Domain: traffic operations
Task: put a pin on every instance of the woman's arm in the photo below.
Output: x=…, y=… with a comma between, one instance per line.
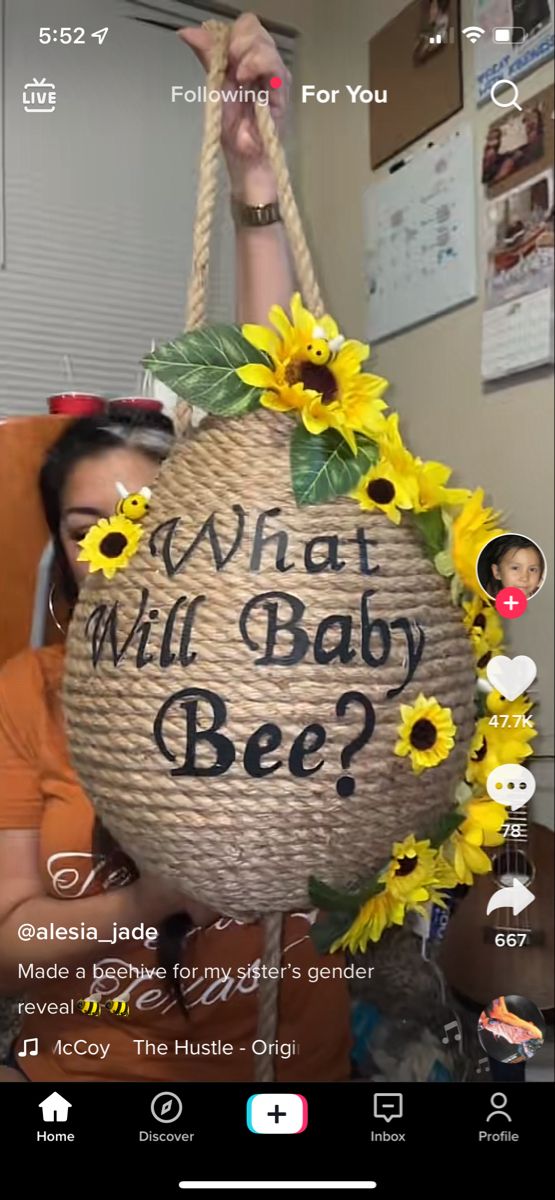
x=264, y=273
x=263, y=268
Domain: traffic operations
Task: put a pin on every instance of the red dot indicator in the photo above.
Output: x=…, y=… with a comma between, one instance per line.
x=275, y=81
x=511, y=602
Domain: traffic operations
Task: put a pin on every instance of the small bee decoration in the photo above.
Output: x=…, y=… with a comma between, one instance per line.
x=118, y=1008
x=133, y=505
x=89, y=1008
x=320, y=349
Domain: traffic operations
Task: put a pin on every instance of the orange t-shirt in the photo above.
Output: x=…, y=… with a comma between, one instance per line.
x=40, y=790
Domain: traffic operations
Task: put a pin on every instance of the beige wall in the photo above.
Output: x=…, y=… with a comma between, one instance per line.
x=502, y=439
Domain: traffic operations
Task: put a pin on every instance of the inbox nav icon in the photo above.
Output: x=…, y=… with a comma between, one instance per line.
x=39, y=96
x=388, y=1105
x=269, y=1112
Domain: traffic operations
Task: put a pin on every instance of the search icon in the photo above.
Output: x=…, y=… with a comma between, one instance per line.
x=513, y=102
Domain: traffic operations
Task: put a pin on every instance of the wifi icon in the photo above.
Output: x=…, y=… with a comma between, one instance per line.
x=473, y=33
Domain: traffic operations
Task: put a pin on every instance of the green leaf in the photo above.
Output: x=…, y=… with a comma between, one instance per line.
x=324, y=933
x=322, y=466
x=463, y=793
x=444, y=563
x=443, y=830
x=332, y=900
x=432, y=529
x=201, y=367
x=373, y=888
x=369, y=451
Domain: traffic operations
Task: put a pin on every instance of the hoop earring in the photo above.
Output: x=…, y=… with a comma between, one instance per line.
x=52, y=610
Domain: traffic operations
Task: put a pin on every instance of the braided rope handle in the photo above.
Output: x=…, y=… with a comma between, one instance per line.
x=268, y=996
x=208, y=187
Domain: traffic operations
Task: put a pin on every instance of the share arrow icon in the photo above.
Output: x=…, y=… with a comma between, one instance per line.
x=517, y=897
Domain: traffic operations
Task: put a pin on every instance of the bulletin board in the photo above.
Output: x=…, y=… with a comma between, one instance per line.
x=422, y=92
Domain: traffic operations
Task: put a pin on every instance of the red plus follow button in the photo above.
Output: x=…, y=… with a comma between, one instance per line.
x=511, y=602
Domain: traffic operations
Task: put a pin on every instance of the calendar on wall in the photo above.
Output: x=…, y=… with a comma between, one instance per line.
x=420, y=237
x=517, y=332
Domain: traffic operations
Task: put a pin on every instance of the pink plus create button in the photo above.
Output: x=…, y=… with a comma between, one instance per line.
x=511, y=602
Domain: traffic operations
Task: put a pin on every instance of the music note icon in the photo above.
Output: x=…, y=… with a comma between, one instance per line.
x=452, y=1025
x=33, y=1043
x=479, y=1069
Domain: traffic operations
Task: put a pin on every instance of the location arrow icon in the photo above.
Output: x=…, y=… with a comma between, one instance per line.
x=516, y=897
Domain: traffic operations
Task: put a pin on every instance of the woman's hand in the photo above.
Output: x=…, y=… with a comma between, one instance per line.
x=160, y=900
x=253, y=60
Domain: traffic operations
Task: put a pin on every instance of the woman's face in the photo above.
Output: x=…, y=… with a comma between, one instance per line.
x=521, y=569
x=91, y=492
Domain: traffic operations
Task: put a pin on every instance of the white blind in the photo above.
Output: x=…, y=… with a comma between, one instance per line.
x=99, y=199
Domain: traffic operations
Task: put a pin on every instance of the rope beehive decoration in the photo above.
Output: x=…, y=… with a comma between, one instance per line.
x=272, y=705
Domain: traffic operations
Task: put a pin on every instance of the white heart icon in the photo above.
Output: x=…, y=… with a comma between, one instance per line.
x=511, y=676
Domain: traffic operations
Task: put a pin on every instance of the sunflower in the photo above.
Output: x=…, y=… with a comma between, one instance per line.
x=481, y=827
x=377, y=914
x=110, y=544
x=428, y=478
x=315, y=372
x=467, y=859
x=483, y=821
x=469, y=532
x=390, y=440
x=497, y=704
x=386, y=489
x=493, y=746
x=432, y=492
x=485, y=629
x=415, y=873
x=427, y=733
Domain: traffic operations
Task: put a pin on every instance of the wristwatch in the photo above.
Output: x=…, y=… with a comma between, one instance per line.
x=254, y=216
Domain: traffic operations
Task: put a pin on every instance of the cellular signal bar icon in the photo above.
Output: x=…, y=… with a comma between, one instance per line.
x=473, y=33
x=441, y=39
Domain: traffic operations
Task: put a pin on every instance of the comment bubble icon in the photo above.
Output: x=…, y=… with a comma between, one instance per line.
x=511, y=785
x=388, y=1106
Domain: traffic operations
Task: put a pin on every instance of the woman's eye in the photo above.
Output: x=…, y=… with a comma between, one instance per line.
x=77, y=535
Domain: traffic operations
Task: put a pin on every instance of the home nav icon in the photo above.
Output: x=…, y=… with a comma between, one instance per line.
x=54, y=1108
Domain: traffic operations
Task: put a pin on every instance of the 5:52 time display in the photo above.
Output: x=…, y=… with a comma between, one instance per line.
x=67, y=36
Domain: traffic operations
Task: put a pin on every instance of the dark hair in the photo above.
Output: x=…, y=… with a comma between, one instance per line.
x=495, y=551
x=152, y=434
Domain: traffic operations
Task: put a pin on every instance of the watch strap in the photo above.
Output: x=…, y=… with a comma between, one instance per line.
x=254, y=216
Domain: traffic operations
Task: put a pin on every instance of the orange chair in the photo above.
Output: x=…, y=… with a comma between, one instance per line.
x=24, y=534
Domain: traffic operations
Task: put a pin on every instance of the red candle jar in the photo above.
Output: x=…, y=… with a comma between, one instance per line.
x=76, y=404
x=137, y=403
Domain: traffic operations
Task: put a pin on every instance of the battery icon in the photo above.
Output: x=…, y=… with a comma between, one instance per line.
x=509, y=35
